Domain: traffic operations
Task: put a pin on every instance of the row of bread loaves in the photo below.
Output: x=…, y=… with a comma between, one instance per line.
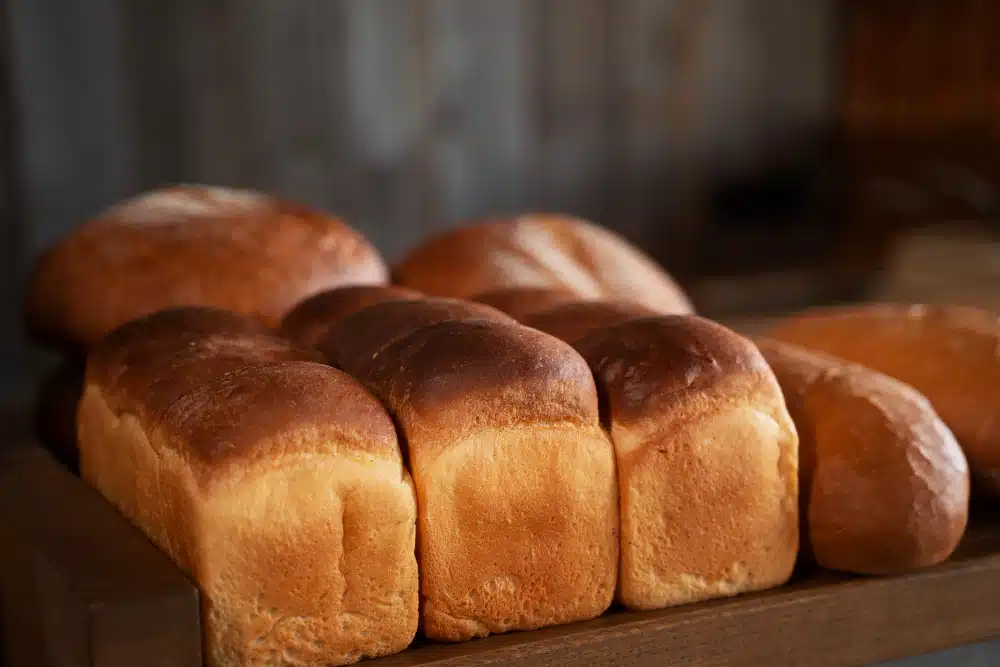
x=258, y=256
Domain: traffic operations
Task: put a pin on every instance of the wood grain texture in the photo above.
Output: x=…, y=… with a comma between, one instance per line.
x=83, y=587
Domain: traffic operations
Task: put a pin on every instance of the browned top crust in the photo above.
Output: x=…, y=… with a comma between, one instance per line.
x=191, y=245
x=520, y=301
x=536, y=250
x=311, y=319
x=251, y=416
x=448, y=379
x=648, y=365
x=148, y=363
x=571, y=321
x=360, y=336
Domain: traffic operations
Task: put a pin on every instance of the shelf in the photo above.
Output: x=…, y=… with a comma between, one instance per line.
x=81, y=586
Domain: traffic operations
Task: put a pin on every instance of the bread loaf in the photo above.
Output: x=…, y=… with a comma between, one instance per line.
x=707, y=460
x=520, y=301
x=278, y=486
x=191, y=246
x=571, y=321
x=549, y=251
x=515, y=479
x=884, y=486
x=358, y=338
x=947, y=353
x=311, y=319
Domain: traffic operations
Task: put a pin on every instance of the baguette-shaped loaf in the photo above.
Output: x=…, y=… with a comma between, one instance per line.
x=884, y=485
x=191, y=246
x=311, y=319
x=707, y=460
x=947, y=353
x=539, y=250
x=515, y=478
x=278, y=486
x=520, y=301
x=571, y=321
x=356, y=339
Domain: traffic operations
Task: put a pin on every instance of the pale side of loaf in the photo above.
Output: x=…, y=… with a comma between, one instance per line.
x=572, y=320
x=515, y=478
x=547, y=251
x=191, y=246
x=311, y=319
x=884, y=485
x=357, y=339
x=947, y=353
x=707, y=460
x=280, y=489
x=520, y=301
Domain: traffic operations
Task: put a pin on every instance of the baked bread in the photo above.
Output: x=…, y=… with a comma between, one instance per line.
x=550, y=251
x=707, y=460
x=515, y=478
x=947, y=353
x=360, y=337
x=191, y=246
x=309, y=321
x=520, y=301
x=884, y=485
x=571, y=321
x=278, y=486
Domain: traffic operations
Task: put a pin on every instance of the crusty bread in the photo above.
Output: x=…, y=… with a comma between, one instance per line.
x=947, y=353
x=884, y=485
x=551, y=251
x=361, y=336
x=278, y=486
x=707, y=460
x=572, y=320
x=311, y=319
x=520, y=301
x=191, y=246
x=515, y=478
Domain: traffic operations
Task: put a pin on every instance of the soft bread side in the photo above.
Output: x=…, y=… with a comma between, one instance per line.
x=571, y=321
x=520, y=301
x=311, y=319
x=277, y=485
x=357, y=339
x=191, y=246
x=947, y=353
x=539, y=250
x=884, y=485
x=515, y=478
x=707, y=460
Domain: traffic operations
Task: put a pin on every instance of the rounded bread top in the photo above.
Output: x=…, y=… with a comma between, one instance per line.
x=571, y=321
x=540, y=250
x=521, y=301
x=354, y=340
x=648, y=366
x=191, y=246
x=446, y=380
x=309, y=321
x=145, y=365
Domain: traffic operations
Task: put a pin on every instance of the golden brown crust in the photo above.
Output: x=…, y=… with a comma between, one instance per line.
x=359, y=337
x=550, y=251
x=189, y=246
x=571, y=321
x=145, y=365
x=311, y=319
x=884, y=484
x=707, y=460
x=507, y=455
x=520, y=301
x=279, y=488
x=947, y=353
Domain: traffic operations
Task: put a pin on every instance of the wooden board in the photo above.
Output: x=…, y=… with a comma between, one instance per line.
x=82, y=587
